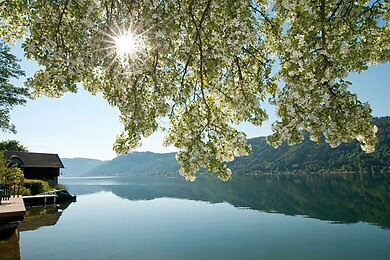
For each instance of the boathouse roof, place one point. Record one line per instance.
(34, 160)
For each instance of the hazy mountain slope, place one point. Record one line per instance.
(305, 157)
(138, 163)
(79, 166)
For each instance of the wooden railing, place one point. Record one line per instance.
(8, 191)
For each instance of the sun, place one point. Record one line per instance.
(128, 46)
(125, 44)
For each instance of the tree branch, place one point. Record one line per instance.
(198, 40)
(252, 54)
(335, 10)
(60, 22)
(238, 67)
(267, 19)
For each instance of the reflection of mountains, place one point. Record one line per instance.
(347, 198)
(37, 217)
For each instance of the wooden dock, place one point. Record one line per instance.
(12, 211)
(14, 207)
(45, 199)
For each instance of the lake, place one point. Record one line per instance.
(343, 216)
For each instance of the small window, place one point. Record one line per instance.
(16, 161)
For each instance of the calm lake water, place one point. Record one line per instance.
(266, 217)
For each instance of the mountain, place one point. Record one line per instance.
(305, 157)
(312, 157)
(79, 166)
(138, 163)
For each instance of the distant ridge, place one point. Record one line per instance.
(307, 157)
(138, 163)
(79, 166)
(311, 157)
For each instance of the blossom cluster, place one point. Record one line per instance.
(320, 46)
(207, 66)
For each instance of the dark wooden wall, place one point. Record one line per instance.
(47, 174)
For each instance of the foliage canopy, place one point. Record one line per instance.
(10, 95)
(9, 174)
(12, 145)
(206, 65)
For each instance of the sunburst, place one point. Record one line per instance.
(125, 44)
(128, 46)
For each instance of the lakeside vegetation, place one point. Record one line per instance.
(34, 187)
(12, 176)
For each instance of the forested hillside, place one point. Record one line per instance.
(305, 157)
(311, 157)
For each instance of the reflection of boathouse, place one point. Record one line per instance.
(39, 166)
(37, 217)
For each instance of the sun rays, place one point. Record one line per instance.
(126, 45)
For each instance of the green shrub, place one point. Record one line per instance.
(24, 191)
(36, 186)
(59, 187)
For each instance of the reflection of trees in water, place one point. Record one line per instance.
(37, 217)
(9, 248)
(346, 198)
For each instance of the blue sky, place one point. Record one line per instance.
(82, 125)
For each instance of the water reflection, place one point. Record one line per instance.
(340, 198)
(9, 248)
(35, 218)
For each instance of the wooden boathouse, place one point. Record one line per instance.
(38, 166)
